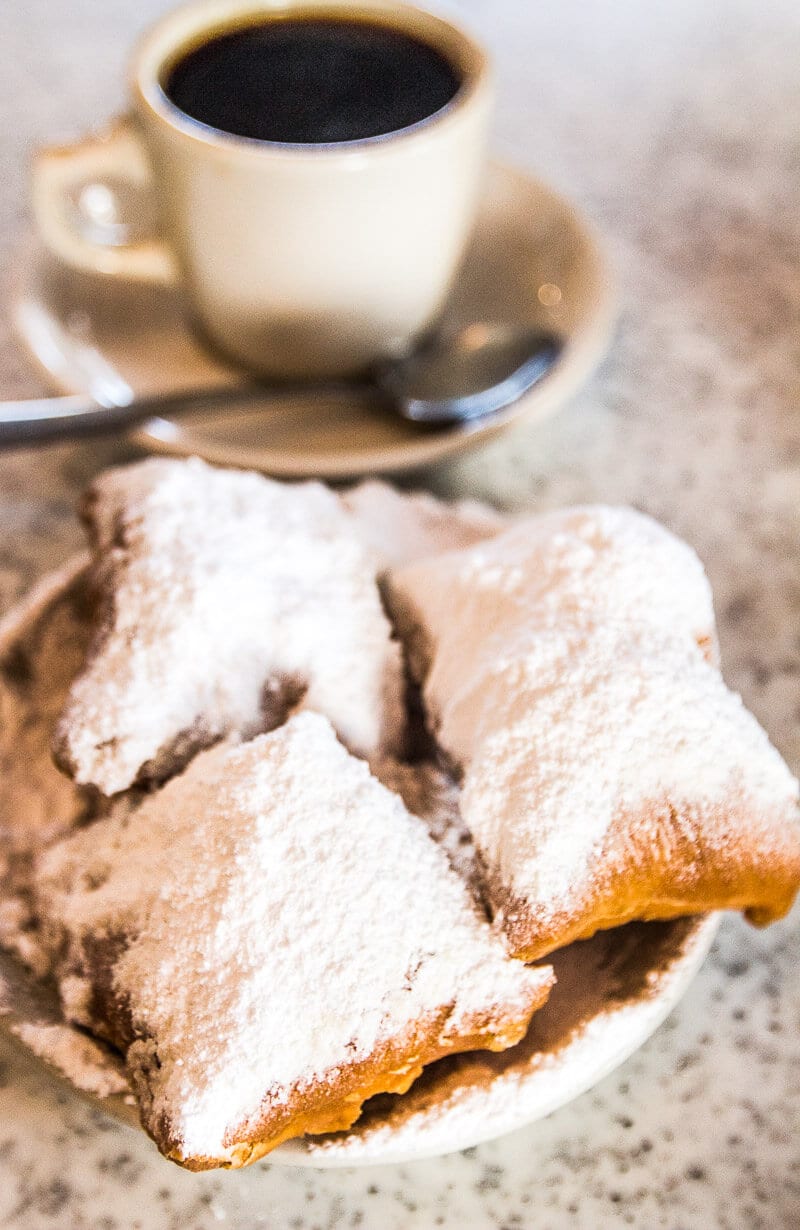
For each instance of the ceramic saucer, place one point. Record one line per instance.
(612, 992)
(533, 260)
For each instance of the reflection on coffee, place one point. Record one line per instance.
(312, 82)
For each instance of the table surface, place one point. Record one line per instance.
(677, 128)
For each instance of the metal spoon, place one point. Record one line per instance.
(453, 379)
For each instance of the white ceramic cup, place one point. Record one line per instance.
(295, 261)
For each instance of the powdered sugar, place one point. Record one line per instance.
(284, 916)
(85, 1063)
(401, 527)
(36, 802)
(566, 671)
(42, 645)
(217, 582)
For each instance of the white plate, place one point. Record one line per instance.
(613, 991)
(533, 260)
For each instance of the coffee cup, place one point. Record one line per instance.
(302, 250)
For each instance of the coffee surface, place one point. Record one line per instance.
(312, 82)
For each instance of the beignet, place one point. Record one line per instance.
(219, 589)
(271, 939)
(569, 672)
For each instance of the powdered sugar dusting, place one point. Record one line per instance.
(42, 644)
(401, 527)
(567, 671)
(215, 583)
(85, 1063)
(283, 915)
(36, 802)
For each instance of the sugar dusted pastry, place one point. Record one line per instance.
(401, 527)
(223, 595)
(608, 773)
(272, 938)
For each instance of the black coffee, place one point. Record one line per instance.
(309, 82)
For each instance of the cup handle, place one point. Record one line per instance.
(96, 210)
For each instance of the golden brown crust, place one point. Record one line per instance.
(331, 1105)
(334, 1105)
(679, 862)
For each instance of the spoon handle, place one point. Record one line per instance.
(52, 418)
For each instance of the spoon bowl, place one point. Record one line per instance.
(485, 366)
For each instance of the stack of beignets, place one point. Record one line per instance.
(270, 937)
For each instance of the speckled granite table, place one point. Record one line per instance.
(678, 129)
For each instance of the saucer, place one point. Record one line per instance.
(533, 260)
(612, 991)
